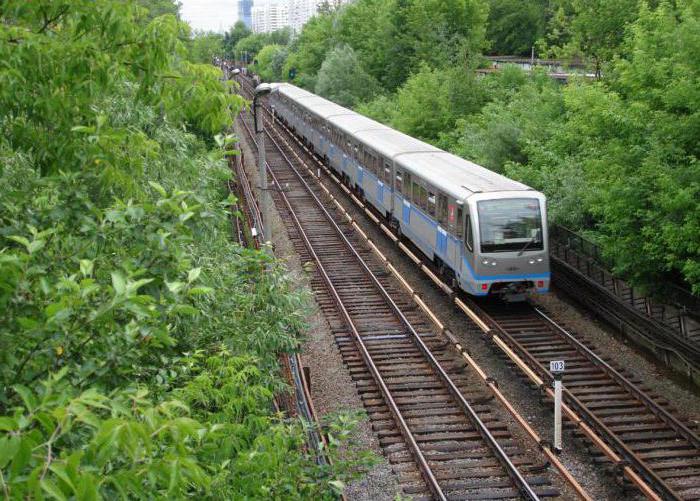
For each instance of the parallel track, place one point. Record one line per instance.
(431, 415)
(637, 424)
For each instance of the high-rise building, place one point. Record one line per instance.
(271, 15)
(245, 12)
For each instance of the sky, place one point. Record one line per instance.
(210, 15)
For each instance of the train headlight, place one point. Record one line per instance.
(493, 263)
(531, 261)
(539, 259)
(485, 262)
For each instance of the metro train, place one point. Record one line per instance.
(484, 232)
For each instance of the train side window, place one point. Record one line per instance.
(458, 225)
(387, 172)
(431, 203)
(442, 209)
(399, 181)
(415, 193)
(469, 236)
(423, 201)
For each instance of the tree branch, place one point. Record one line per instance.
(49, 21)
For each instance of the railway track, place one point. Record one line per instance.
(637, 424)
(624, 423)
(433, 417)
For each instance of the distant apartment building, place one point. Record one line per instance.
(245, 12)
(271, 15)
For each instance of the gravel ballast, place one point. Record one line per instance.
(332, 388)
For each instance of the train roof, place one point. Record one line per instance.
(351, 123)
(292, 91)
(390, 142)
(456, 176)
(450, 173)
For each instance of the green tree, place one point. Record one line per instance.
(205, 46)
(343, 80)
(134, 358)
(447, 32)
(271, 59)
(309, 49)
(158, 8)
(514, 26)
(366, 27)
(238, 32)
(591, 30)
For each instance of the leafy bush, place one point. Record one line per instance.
(342, 79)
(138, 344)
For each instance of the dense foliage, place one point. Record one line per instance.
(138, 345)
(617, 155)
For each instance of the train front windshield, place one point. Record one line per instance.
(510, 224)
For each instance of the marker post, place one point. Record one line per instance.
(557, 367)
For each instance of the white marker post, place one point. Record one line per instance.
(557, 367)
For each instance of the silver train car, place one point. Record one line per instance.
(485, 232)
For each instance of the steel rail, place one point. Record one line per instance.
(642, 397)
(519, 481)
(640, 466)
(424, 467)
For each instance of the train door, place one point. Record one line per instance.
(468, 250)
(388, 177)
(441, 242)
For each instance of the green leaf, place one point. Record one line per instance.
(185, 309)
(86, 267)
(8, 424)
(83, 129)
(8, 448)
(193, 274)
(59, 470)
(21, 240)
(161, 191)
(52, 489)
(27, 396)
(119, 283)
(174, 287)
(337, 485)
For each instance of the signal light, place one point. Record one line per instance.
(484, 287)
(540, 284)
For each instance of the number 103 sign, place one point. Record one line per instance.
(557, 366)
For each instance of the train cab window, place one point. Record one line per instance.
(469, 236)
(399, 181)
(442, 209)
(432, 202)
(458, 226)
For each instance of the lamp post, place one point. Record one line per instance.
(262, 90)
